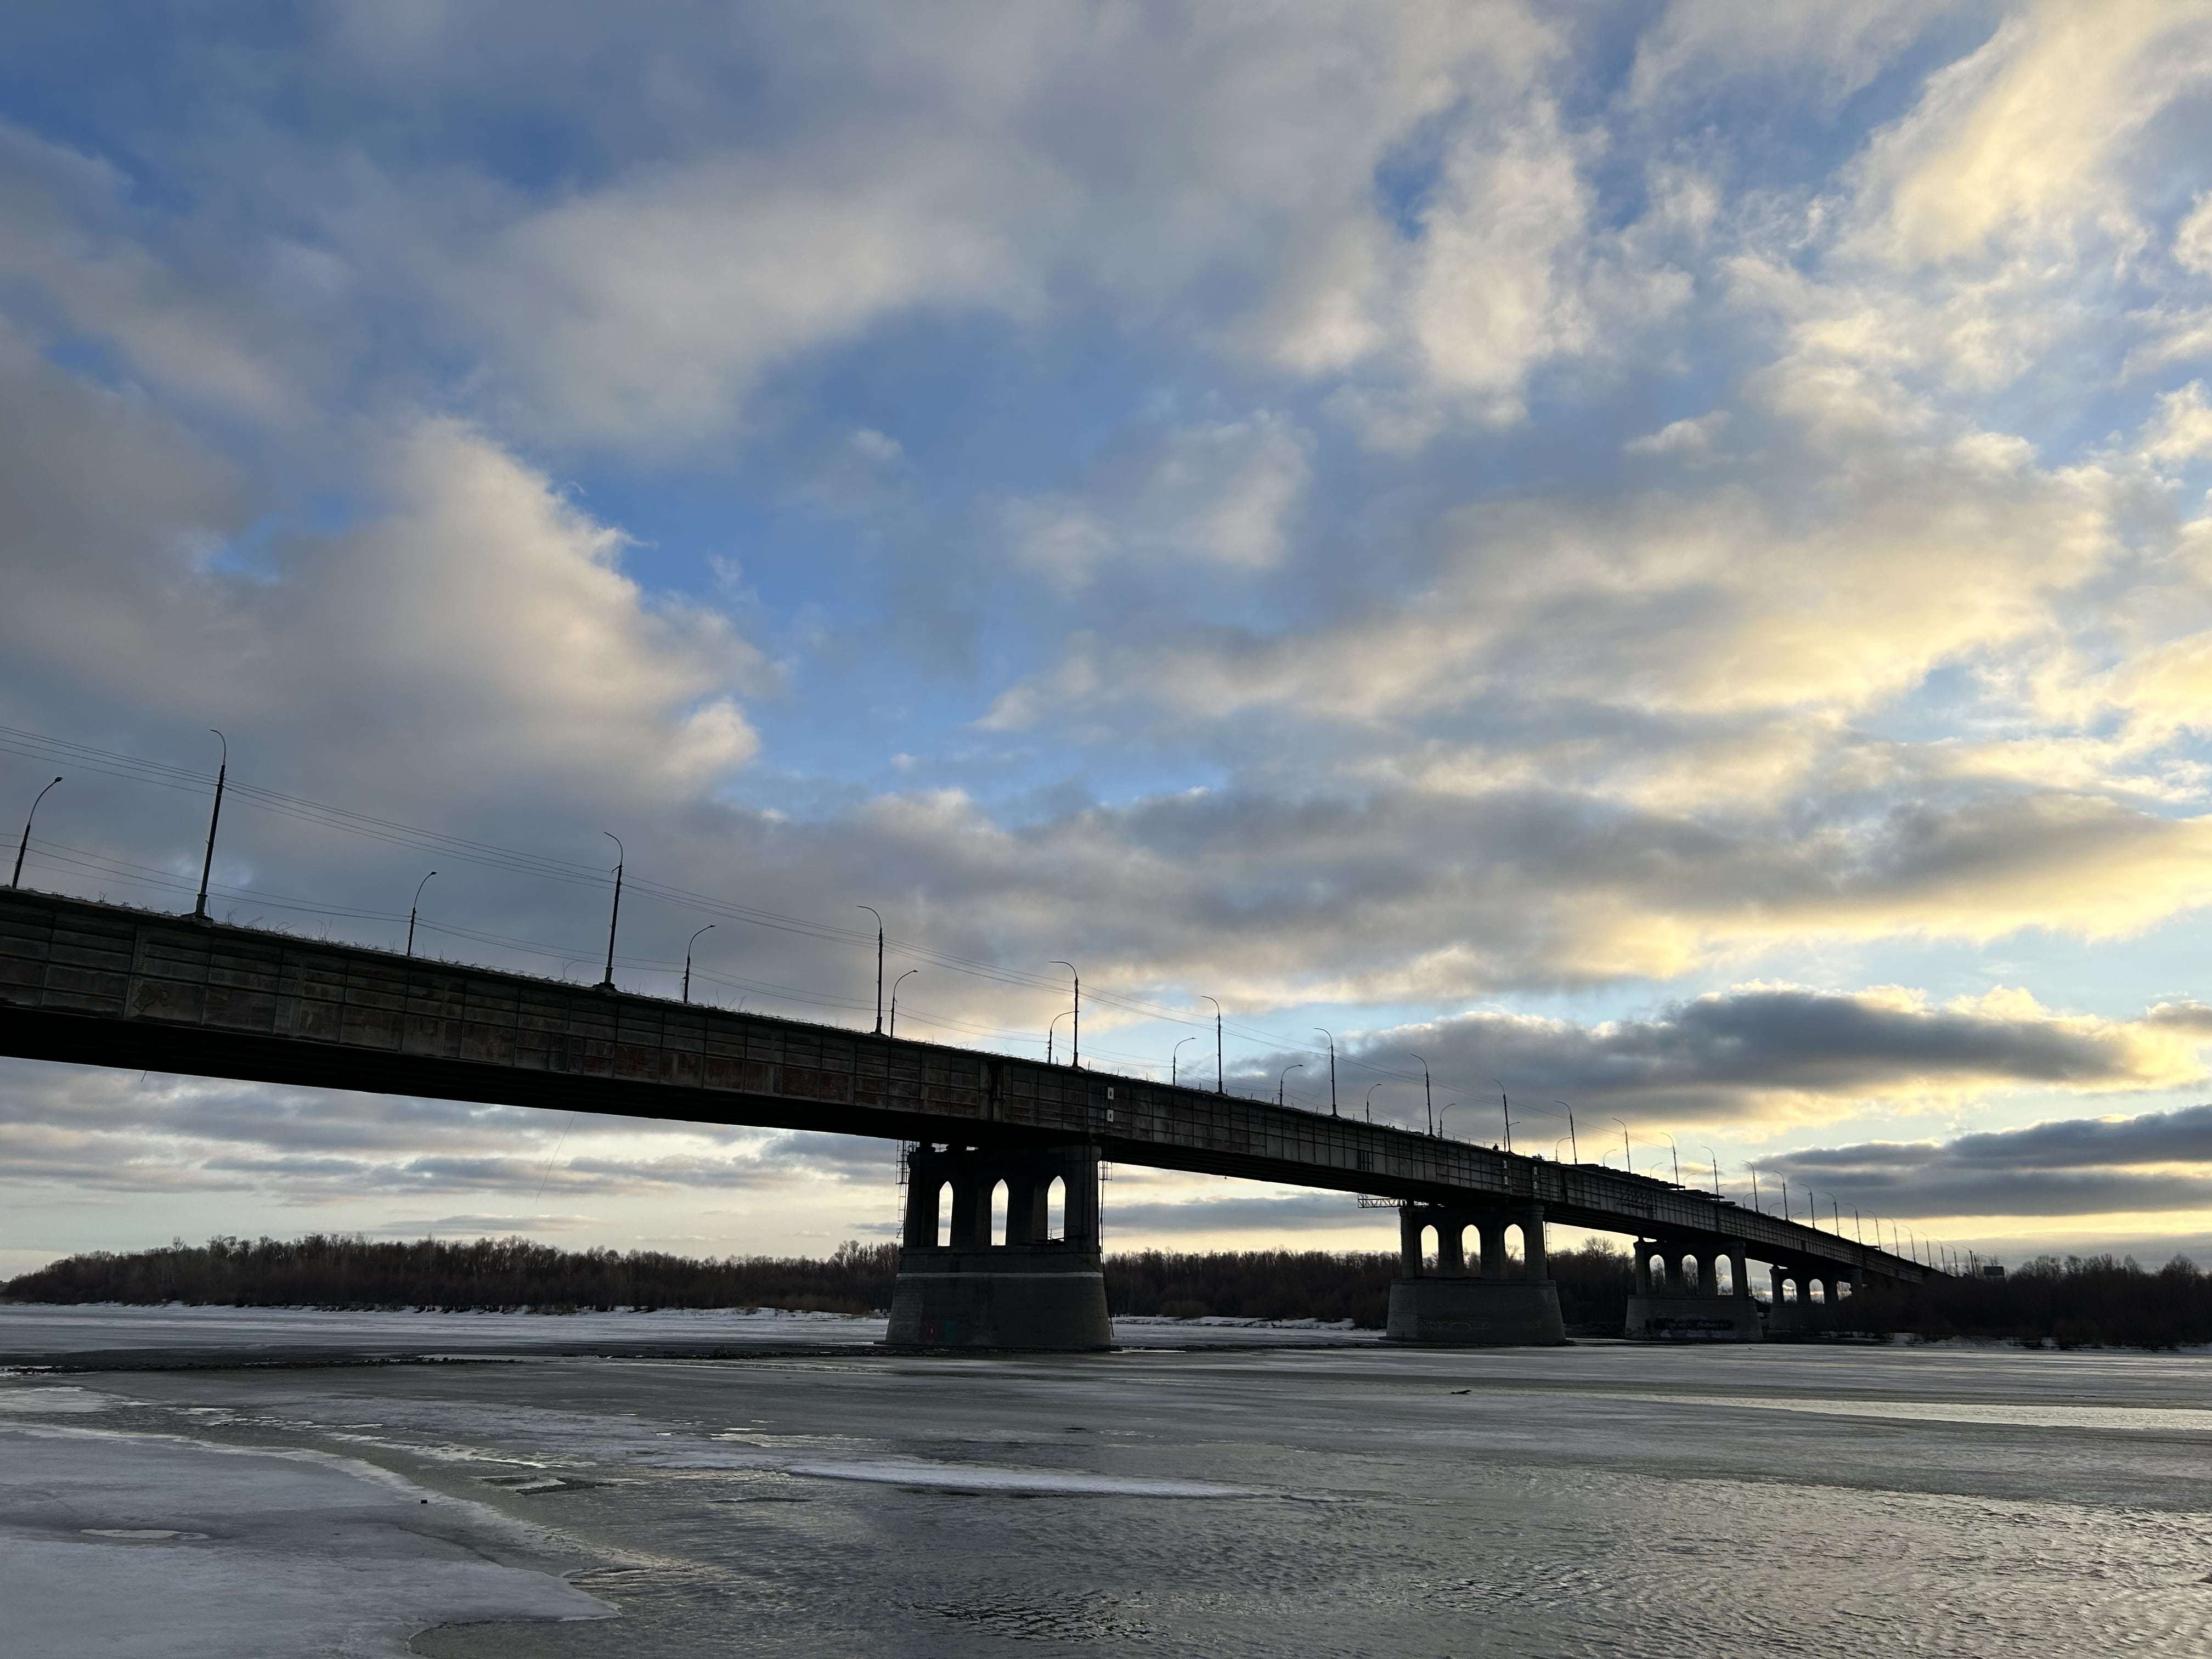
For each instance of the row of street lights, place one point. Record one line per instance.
(1435, 1116)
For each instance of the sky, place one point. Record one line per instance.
(1658, 558)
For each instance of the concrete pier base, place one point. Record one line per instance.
(1477, 1298)
(1476, 1313)
(1037, 1287)
(1661, 1318)
(1038, 1299)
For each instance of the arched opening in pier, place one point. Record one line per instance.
(945, 1217)
(1428, 1248)
(1656, 1270)
(1055, 1211)
(1470, 1247)
(999, 1212)
(1691, 1281)
(1788, 1290)
(1845, 1288)
(1723, 1276)
(1513, 1245)
(1815, 1291)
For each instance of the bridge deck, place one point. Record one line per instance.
(106, 985)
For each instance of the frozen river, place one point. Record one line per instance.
(813, 1497)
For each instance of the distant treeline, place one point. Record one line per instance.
(2078, 1300)
(336, 1270)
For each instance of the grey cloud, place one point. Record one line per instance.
(479, 1224)
(2076, 1166)
(1743, 1054)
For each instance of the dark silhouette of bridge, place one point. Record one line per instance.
(106, 985)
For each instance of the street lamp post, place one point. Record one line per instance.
(896, 983)
(1711, 1154)
(1441, 1110)
(1627, 1158)
(1754, 1190)
(1324, 1030)
(1295, 1066)
(878, 914)
(412, 909)
(1573, 1145)
(1175, 1062)
(1428, 1095)
(23, 846)
(693, 940)
(221, 774)
(1218, 1087)
(1507, 1107)
(1075, 1030)
(1371, 1088)
(1673, 1152)
(622, 857)
(1048, 1030)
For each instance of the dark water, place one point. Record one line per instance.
(1599, 1500)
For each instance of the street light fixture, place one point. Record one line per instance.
(1627, 1158)
(1428, 1095)
(221, 774)
(23, 846)
(693, 940)
(1711, 1154)
(1295, 1066)
(1324, 1030)
(896, 983)
(1075, 1030)
(1573, 1145)
(1507, 1106)
(1175, 1061)
(1371, 1088)
(878, 915)
(1048, 1030)
(1218, 1087)
(622, 857)
(411, 910)
(1441, 1110)
(1673, 1153)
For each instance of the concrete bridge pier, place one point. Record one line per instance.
(1819, 1302)
(966, 1282)
(1482, 1305)
(1676, 1296)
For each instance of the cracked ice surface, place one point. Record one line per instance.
(150, 1547)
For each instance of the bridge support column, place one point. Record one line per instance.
(1679, 1311)
(1033, 1291)
(1452, 1307)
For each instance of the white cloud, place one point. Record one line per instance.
(1220, 493)
(2182, 429)
(1832, 50)
(1691, 436)
(2021, 138)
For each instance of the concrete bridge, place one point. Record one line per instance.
(106, 985)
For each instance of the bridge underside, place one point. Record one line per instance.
(102, 985)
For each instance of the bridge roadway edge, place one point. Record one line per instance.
(90, 983)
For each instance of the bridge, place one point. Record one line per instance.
(107, 985)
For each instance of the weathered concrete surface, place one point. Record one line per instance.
(1476, 1313)
(1031, 1299)
(1660, 1317)
(1040, 1287)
